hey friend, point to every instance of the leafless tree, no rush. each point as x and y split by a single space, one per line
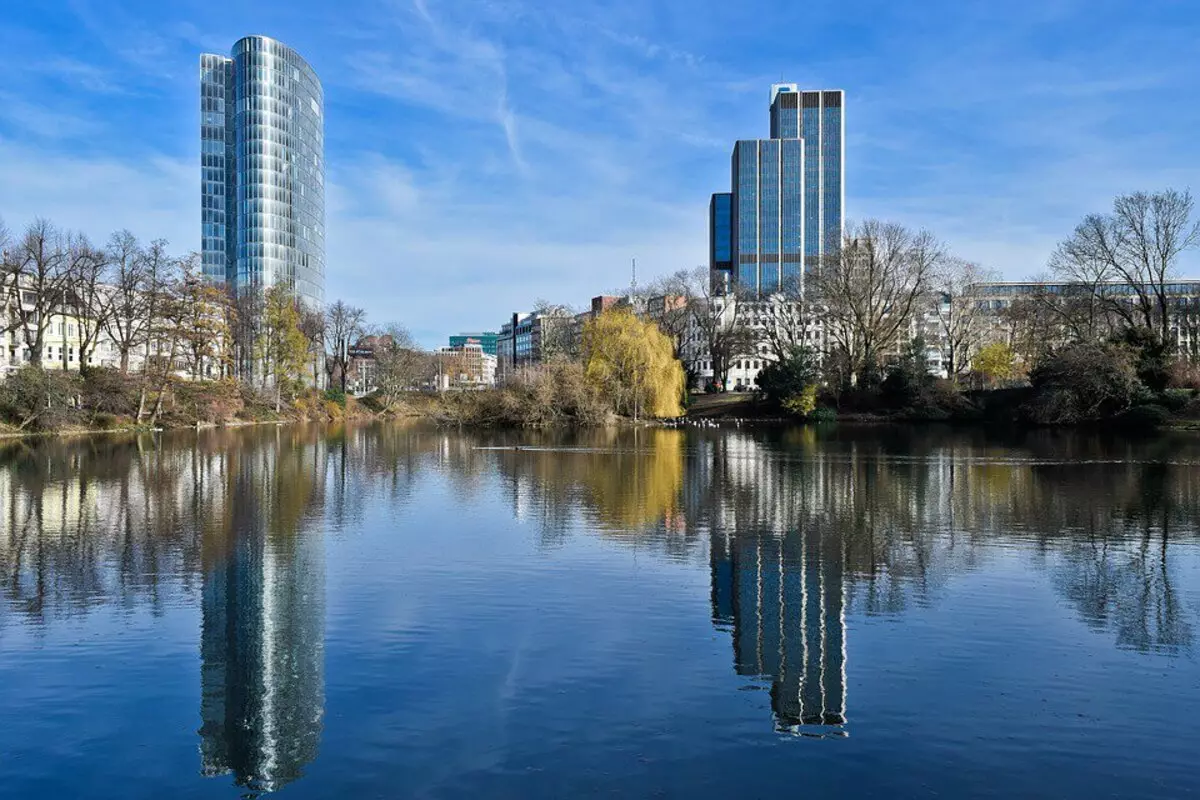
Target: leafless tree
344 325
126 303
872 287
87 295
247 326
722 331
558 335
400 365
665 301
37 272
1137 245
785 320
312 325
963 322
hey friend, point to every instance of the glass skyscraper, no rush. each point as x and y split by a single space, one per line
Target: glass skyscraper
720 239
262 144
787 195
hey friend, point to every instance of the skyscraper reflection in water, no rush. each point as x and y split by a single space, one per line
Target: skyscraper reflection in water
784 600
262 641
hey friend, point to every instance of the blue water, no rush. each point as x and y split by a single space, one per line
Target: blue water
396 612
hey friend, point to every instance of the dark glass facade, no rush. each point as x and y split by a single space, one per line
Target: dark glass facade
263 163
787 194
720 238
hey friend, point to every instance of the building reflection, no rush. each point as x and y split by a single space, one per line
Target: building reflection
263 630
784 600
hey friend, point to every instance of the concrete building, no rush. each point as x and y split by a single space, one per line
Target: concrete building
466 366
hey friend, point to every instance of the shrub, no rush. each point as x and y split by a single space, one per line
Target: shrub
1176 399
107 391
790 377
822 415
1145 417
909 381
804 403
1183 374
336 396
1082 383
39 399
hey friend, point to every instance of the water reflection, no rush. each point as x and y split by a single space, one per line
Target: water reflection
802 533
263 603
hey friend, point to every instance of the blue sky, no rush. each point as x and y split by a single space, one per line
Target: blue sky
484 154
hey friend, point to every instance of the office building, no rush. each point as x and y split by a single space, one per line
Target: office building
786 199
262 136
720 241
485 340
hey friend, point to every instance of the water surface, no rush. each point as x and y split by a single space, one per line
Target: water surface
390 612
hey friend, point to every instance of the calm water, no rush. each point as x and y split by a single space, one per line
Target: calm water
390 612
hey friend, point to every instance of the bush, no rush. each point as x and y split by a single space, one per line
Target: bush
909 381
39 399
1176 399
336 396
1083 383
1183 374
822 414
790 377
1146 417
804 403
107 391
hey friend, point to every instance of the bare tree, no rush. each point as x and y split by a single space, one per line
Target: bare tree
312 325
1137 245
784 320
722 332
126 303
344 326
400 365
37 272
963 322
665 301
87 295
557 334
872 287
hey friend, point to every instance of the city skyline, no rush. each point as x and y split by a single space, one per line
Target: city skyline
262 153
573 140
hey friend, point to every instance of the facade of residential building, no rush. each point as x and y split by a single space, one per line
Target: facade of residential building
262 137
785 206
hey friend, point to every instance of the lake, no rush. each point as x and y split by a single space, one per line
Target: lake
392 611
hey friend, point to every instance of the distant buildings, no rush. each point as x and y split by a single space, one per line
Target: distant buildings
262 142
465 366
784 212
487 341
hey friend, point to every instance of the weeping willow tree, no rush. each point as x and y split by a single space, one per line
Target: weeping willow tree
633 364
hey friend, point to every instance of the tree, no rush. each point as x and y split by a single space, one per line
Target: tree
87 295
995 363
722 331
282 348
962 320
1082 383
785 320
204 333
399 365
1137 245
871 288
126 302
37 272
633 363
344 326
791 381
556 330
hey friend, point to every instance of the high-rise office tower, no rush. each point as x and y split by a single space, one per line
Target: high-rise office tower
720 240
787 196
262 144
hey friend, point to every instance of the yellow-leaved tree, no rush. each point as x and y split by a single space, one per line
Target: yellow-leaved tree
632 363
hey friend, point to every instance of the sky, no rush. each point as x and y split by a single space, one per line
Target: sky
484 154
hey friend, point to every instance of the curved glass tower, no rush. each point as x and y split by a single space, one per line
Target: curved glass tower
262 134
